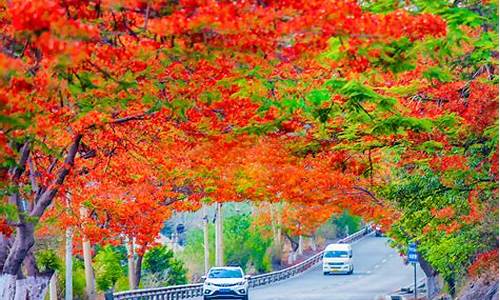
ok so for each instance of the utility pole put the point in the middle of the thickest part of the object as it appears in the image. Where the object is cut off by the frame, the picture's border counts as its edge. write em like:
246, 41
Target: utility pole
206, 246
219, 243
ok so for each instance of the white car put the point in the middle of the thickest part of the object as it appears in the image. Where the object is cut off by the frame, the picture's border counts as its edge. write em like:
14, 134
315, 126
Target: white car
337, 258
225, 283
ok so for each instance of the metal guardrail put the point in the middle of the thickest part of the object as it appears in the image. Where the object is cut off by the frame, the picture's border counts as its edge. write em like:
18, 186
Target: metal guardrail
194, 290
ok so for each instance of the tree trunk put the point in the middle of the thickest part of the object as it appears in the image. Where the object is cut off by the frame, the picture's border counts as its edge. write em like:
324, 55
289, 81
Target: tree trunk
69, 265
277, 250
300, 249
7, 286
53, 287
131, 264
32, 287
138, 270
23, 242
219, 241
87, 260
432, 278
4, 249
313, 244
206, 246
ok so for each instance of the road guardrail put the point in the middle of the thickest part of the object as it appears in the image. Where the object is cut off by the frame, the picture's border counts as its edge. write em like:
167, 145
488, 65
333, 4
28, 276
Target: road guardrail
194, 290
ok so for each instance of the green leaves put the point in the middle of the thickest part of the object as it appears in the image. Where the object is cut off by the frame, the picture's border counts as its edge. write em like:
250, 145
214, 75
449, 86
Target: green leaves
380, 6
318, 97
400, 124
107, 268
431, 146
48, 261
83, 83
439, 73
456, 16
160, 262
395, 56
334, 46
448, 253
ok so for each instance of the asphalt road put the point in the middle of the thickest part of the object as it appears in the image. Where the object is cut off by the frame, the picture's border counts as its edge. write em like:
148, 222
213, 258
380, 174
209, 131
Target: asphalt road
378, 270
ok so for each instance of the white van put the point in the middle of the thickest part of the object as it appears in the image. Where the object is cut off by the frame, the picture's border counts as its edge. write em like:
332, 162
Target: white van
337, 258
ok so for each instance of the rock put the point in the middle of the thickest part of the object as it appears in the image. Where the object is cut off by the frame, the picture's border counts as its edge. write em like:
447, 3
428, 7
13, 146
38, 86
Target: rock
481, 288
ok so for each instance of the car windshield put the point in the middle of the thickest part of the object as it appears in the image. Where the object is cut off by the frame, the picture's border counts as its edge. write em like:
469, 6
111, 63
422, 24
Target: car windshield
225, 273
336, 253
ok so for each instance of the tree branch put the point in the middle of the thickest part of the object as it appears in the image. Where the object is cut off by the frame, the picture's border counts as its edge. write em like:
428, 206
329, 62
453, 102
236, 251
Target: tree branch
18, 170
33, 175
46, 197
370, 194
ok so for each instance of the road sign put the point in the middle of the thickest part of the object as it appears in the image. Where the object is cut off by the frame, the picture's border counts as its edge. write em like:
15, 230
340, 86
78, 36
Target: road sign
412, 253
413, 258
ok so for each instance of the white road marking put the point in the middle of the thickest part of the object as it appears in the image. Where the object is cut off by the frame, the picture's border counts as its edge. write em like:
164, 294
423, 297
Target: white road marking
376, 266
384, 260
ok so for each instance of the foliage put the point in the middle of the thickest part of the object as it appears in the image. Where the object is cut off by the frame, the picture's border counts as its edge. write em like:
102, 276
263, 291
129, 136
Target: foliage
244, 244
107, 268
48, 261
78, 280
138, 109
353, 223
159, 262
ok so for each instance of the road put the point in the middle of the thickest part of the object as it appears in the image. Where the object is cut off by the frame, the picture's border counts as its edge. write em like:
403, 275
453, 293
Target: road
378, 270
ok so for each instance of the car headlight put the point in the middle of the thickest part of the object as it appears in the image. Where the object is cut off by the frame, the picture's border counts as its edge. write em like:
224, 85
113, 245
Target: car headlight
241, 283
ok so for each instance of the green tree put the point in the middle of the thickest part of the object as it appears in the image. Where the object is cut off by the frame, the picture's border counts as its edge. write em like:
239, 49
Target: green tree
353, 223
244, 244
163, 268
107, 268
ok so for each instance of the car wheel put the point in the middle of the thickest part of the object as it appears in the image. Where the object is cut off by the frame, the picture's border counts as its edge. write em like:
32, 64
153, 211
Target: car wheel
352, 270
326, 273
245, 297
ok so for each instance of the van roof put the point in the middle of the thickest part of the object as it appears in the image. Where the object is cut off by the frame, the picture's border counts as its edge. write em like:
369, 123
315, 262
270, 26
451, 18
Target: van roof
338, 247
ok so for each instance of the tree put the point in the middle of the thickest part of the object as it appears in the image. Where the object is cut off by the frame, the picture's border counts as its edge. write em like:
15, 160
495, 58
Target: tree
146, 106
161, 266
107, 268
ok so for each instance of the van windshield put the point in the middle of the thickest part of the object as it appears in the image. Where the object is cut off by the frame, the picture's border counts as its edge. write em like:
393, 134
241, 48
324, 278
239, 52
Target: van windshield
336, 253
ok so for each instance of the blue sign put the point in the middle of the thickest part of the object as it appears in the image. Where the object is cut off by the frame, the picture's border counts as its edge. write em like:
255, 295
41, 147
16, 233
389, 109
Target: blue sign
412, 253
